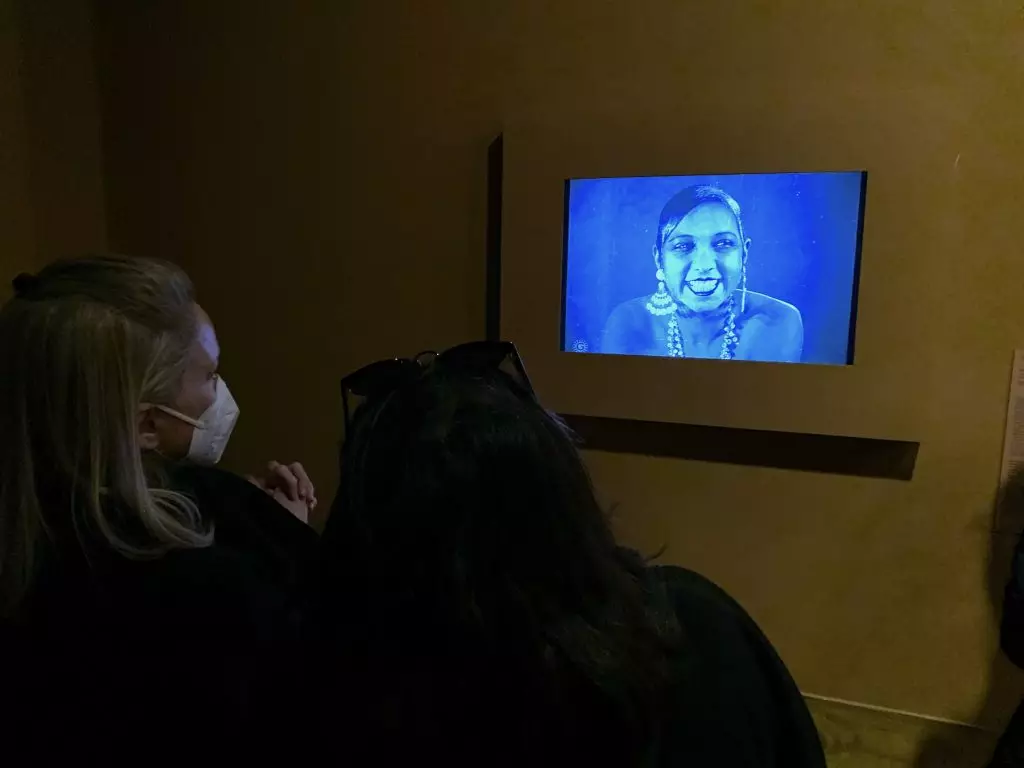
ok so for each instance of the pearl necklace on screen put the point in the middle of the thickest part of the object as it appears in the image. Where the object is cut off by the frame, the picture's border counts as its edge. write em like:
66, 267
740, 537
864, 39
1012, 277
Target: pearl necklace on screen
729, 340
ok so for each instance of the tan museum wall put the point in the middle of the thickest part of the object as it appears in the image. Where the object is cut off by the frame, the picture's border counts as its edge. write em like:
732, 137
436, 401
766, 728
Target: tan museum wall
320, 169
51, 183
17, 247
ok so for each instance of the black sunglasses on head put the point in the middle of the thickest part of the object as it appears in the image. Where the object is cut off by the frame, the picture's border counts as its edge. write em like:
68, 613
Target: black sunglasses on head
385, 376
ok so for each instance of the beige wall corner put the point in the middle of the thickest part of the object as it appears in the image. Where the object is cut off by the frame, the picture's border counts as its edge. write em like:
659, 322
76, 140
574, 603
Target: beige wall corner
63, 121
17, 247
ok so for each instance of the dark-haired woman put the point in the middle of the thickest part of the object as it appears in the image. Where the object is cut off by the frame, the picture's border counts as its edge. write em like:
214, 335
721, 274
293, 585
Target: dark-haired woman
475, 608
702, 307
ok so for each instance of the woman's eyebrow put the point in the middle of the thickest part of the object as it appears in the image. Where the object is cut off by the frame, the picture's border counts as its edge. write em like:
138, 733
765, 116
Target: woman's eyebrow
727, 233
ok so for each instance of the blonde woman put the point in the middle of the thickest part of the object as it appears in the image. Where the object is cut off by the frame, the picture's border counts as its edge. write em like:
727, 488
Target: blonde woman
138, 585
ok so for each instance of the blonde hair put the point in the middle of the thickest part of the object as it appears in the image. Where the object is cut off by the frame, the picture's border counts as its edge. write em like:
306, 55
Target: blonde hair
84, 344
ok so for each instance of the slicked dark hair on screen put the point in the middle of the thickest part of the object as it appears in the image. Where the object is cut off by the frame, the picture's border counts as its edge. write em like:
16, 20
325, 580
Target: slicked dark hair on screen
676, 209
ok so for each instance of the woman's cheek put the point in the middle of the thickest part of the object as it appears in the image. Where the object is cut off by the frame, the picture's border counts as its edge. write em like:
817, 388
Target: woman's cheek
732, 266
675, 268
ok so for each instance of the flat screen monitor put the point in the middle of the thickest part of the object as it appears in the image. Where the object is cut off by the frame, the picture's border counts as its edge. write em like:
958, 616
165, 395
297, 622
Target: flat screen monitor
758, 267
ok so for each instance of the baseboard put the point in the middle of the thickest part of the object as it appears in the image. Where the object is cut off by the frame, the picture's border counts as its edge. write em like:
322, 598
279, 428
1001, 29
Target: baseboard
858, 735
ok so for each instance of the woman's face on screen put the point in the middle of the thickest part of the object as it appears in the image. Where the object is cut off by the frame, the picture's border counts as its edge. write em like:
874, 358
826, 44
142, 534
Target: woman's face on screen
702, 257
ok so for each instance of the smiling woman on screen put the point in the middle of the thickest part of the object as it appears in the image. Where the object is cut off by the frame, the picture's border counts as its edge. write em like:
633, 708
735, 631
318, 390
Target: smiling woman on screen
702, 307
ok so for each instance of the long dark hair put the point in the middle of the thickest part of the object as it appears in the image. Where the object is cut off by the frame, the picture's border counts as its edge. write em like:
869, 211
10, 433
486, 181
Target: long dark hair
471, 582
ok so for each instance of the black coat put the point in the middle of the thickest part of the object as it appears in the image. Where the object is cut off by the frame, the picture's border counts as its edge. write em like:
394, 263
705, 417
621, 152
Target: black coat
111, 656
737, 704
733, 704
1012, 627
1010, 750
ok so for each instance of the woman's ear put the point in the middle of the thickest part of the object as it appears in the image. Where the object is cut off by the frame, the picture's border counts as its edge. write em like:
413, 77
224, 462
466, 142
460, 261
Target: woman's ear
746, 247
657, 256
149, 436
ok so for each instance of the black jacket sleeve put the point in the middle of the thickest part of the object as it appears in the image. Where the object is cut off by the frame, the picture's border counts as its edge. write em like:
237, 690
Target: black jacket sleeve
274, 544
175, 652
1012, 627
738, 704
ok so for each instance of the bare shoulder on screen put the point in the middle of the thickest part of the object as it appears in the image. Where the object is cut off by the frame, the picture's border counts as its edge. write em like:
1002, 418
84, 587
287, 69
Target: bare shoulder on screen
772, 312
633, 310
772, 330
629, 329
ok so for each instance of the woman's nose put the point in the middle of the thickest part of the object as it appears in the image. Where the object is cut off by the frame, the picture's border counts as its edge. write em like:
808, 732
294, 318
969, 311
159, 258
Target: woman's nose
704, 259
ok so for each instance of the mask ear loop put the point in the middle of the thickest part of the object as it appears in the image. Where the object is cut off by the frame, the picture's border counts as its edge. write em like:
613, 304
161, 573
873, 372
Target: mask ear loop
176, 414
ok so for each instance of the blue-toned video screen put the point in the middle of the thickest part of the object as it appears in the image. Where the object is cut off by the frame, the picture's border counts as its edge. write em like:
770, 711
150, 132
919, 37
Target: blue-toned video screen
733, 267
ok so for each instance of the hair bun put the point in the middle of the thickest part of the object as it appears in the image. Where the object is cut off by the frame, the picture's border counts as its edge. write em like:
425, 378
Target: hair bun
24, 285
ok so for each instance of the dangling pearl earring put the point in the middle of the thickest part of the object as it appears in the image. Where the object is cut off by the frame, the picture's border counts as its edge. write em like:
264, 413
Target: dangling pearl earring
743, 295
661, 303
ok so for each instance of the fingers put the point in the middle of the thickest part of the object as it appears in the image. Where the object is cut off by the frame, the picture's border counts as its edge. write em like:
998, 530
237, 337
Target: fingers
283, 479
306, 489
290, 482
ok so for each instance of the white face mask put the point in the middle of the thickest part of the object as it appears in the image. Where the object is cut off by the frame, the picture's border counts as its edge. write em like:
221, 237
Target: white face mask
212, 429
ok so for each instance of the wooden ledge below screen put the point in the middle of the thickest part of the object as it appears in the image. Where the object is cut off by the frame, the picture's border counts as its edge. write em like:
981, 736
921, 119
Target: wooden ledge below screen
858, 736
832, 454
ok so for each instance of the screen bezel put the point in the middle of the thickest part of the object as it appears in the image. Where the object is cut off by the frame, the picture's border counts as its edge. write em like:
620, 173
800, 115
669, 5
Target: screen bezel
858, 245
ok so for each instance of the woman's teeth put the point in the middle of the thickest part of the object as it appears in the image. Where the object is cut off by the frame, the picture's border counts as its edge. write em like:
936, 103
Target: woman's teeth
702, 287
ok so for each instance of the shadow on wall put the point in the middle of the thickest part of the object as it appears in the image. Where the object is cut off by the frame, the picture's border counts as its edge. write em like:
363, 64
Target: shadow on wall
834, 454
942, 749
